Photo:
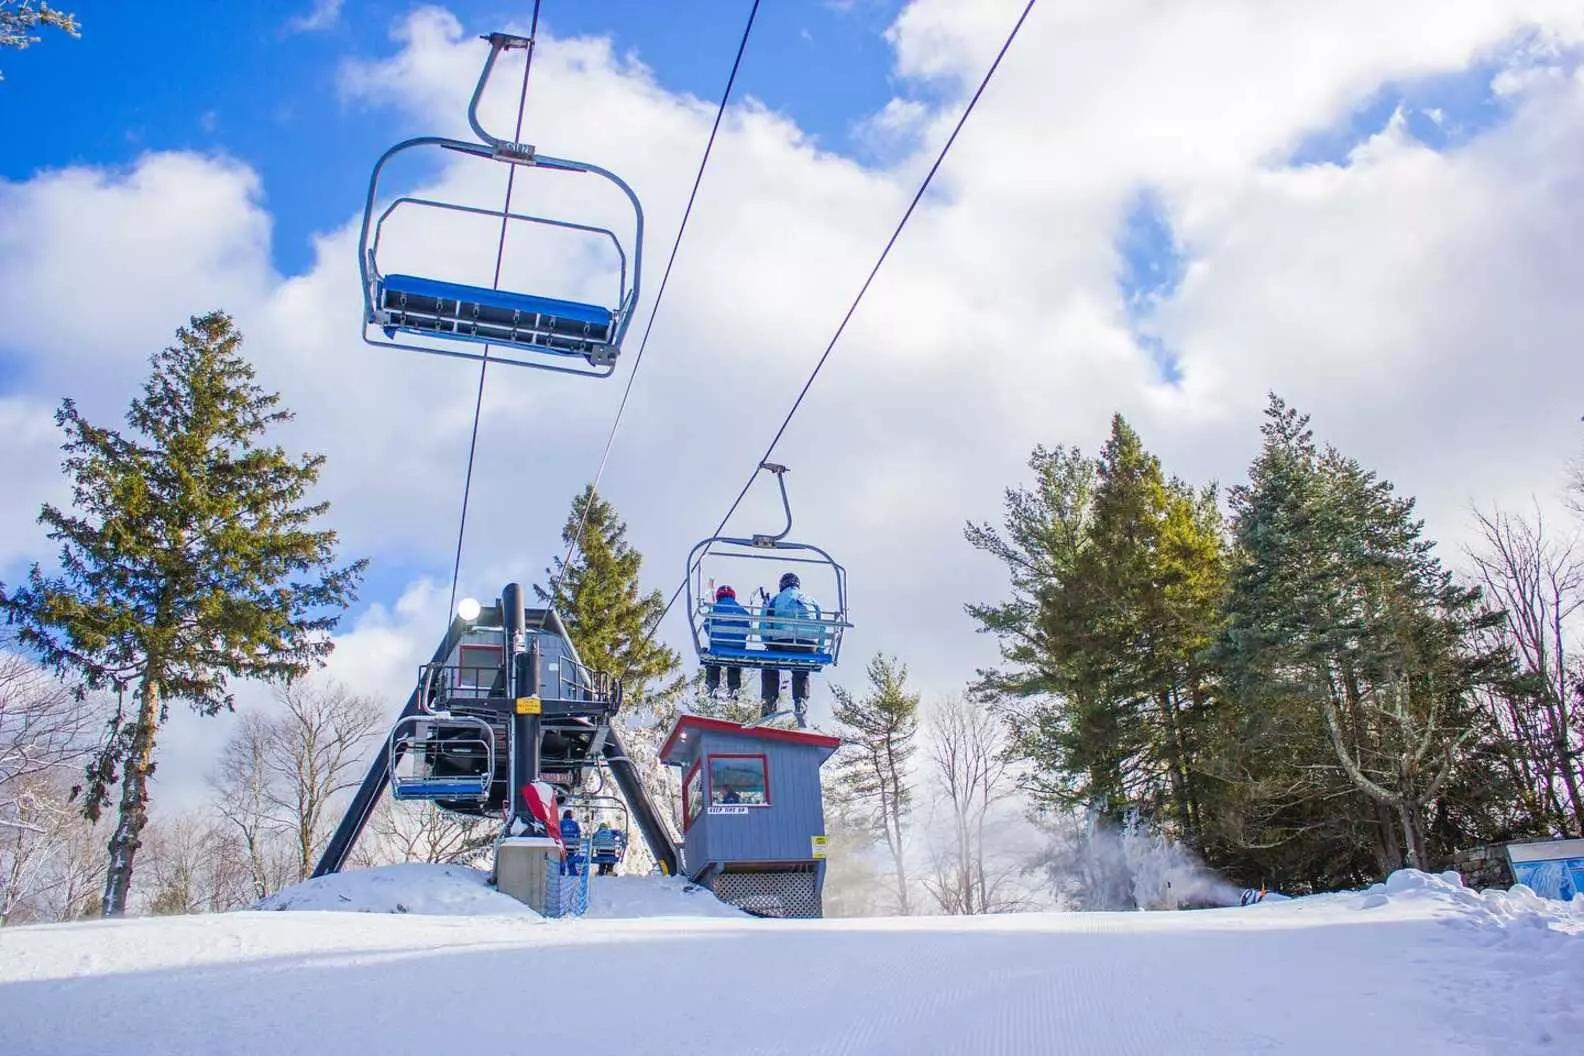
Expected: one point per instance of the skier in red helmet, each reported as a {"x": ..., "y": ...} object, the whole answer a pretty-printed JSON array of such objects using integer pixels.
[{"x": 727, "y": 627}]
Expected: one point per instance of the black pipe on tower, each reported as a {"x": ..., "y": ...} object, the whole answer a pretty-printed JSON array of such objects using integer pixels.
[{"x": 522, "y": 681}]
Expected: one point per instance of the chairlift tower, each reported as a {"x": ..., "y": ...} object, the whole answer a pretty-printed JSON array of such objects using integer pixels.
[{"x": 505, "y": 710}]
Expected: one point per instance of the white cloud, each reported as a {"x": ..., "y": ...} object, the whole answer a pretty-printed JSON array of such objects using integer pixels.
[
  {"x": 1420, "y": 304},
  {"x": 323, "y": 15},
  {"x": 896, "y": 122}
]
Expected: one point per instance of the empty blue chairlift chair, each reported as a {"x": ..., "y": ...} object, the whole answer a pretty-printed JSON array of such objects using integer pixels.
[
  {"x": 457, "y": 319},
  {"x": 819, "y": 635},
  {"x": 438, "y": 756}
]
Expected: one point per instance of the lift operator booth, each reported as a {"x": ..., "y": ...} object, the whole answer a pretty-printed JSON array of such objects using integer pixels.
[{"x": 752, "y": 818}]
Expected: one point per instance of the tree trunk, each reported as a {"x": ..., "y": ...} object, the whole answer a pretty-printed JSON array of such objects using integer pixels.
[
  {"x": 891, "y": 808},
  {"x": 1166, "y": 699},
  {"x": 1413, "y": 832},
  {"x": 901, "y": 875},
  {"x": 1389, "y": 848},
  {"x": 1563, "y": 749},
  {"x": 125, "y": 841}
]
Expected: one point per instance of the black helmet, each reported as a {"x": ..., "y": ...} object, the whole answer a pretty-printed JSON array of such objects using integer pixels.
[{"x": 789, "y": 579}]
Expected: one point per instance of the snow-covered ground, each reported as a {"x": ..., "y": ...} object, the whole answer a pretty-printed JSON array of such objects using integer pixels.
[{"x": 1417, "y": 965}]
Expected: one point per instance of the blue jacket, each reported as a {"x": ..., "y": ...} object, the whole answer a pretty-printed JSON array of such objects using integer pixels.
[
  {"x": 605, "y": 839},
  {"x": 570, "y": 830},
  {"x": 727, "y": 633},
  {"x": 793, "y": 603}
]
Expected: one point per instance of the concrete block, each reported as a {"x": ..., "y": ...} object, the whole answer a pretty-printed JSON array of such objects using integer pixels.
[{"x": 523, "y": 864}]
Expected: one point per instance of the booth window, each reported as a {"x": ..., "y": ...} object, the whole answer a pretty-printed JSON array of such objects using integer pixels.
[
  {"x": 739, "y": 780},
  {"x": 478, "y": 666},
  {"x": 693, "y": 794}
]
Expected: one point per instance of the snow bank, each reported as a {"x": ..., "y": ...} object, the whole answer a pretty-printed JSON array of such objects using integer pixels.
[
  {"x": 1517, "y": 910},
  {"x": 414, "y": 887},
  {"x": 654, "y": 896},
  {"x": 1418, "y": 964},
  {"x": 456, "y": 890}
]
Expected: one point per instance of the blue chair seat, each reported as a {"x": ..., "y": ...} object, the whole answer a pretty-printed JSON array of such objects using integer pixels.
[
  {"x": 440, "y": 788},
  {"x": 768, "y": 657},
  {"x": 418, "y": 305}
]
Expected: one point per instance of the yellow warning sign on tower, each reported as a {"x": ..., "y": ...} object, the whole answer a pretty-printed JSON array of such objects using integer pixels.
[
  {"x": 819, "y": 847},
  {"x": 528, "y": 705}
]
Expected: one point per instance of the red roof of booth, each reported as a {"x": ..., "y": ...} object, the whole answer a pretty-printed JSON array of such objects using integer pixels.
[{"x": 767, "y": 733}]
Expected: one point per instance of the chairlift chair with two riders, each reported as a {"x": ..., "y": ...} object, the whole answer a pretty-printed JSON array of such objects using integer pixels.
[
  {"x": 818, "y": 636},
  {"x": 457, "y": 319},
  {"x": 592, "y": 804}
]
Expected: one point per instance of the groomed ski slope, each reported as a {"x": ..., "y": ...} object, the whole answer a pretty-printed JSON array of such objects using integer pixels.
[{"x": 1418, "y": 965}]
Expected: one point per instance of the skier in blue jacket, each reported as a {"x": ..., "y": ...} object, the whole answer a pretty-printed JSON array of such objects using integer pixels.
[
  {"x": 605, "y": 853},
  {"x": 727, "y": 626},
  {"x": 571, "y": 834},
  {"x": 788, "y": 634}
]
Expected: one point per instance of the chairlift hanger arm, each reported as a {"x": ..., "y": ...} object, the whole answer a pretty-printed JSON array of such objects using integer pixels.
[
  {"x": 786, "y": 504},
  {"x": 498, "y": 43}
]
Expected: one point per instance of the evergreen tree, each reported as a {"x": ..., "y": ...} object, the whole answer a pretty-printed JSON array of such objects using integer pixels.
[
  {"x": 606, "y": 612},
  {"x": 599, "y": 598},
  {"x": 1046, "y": 689},
  {"x": 878, "y": 732},
  {"x": 1339, "y": 607},
  {"x": 1155, "y": 575},
  {"x": 186, "y": 561},
  {"x": 1117, "y": 577}
]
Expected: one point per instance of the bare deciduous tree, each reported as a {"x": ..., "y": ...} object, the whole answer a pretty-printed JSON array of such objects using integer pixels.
[
  {"x": 280, "y": 773},
  {"x": 44, "y": 736},
  {"x": 44, "y": 730},
  {"x": 313, "y": 756},
  {"x": 240, "y": 783},
  {"x": 52, "y": 866},
  {"x": 198, "y": 866},
  {"x": 968, "y": 751},
  {"x": 424, "y": 833},
  {"x": 1538, "y": 580}
]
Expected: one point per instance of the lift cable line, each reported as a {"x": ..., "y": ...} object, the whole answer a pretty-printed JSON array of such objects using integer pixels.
[
  {"x": 500, "y": 253},
  {"x": 853, "y": 308},
  {"x": 643, "y": 343}
]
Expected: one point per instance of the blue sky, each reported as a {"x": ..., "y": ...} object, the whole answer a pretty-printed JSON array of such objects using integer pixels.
[{"x": 252, "y": 88}]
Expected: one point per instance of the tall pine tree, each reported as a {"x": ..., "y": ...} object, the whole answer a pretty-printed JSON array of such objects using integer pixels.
[
  {"x": 1046, "y": 687},
  {"x": 1117, "y": 577},
  {"x": 1340, "y": 610},
  {"x": 607, "y": 613},
  {"x": 1155, "y": 575},
  {"x": 187, "y": 560},
  {"x": 604, "y": 607}
]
